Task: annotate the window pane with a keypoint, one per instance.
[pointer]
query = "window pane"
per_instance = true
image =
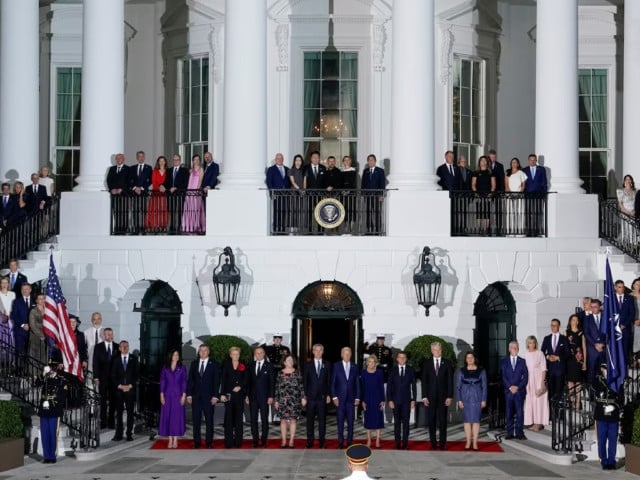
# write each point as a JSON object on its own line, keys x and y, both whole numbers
{"x": 599, "y": 82}
{"x": 195, "y": 72}
{"x": 65, "y": 79}
{"x": 204, "y": 92}
{"x": 63, "y": 162}
{"x": 599, "y": 135}
{"x": 465, "y": 101}
{"x": 475, "y": 132}
{"x": 77, "y": 81}
{"x": 466, "y": 73}
{"x": 599, "y": 164}
{"x": 349, "y": 123}
{"x": 65, "y": 107}
{"x": 64, "y": 131}
{"x": 310, "y": 147}
{"x": 330, "y": 65}
{"x": 584, "y": 135}
{"x": 330, "y": 97}
{"x": 456, "y": 128}
{"x": 456, "y": 101}
{"x": 584, "y": 82}
{"x": 349, "y": 94}
{"x": 205, "y": 126}
{"x": 195, "y": 128}
{"x": 205, "y": 72}
{"x": 465, "y": 131}
{"x": 312, "y": 65}
{"x": 331, "y": 127}
{"x": 584, "y": 108}
{"x": 312, "y": 123}
{"x": 475, "y": 103}
{"x": 195, "y": 100}
{"x": 456, "y": 74}
{"x": 599, "y": 109}
{"x": 76, "y": 163}
{"x": 349, "y": 65}
{"x": 584, "y": 168}
{"x": 76, "y": 134}
{"x": 312, "y": 94}
{"x": 476, "y": 75}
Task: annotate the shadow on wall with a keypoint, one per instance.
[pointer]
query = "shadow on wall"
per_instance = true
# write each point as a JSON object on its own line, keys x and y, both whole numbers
{"x": 406, "y": 280}
{"x": 450, "y": 280}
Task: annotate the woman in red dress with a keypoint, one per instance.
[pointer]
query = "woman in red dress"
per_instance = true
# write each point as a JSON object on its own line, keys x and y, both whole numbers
{"x": 157, "y": 213}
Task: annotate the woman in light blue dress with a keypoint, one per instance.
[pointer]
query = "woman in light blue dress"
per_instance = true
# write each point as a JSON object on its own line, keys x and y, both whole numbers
{"x": 471, "y": 382}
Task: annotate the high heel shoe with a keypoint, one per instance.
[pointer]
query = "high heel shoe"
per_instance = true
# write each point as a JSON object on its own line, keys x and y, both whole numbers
{"x": 284, "y": 445}
{"x": 467, "y": 447}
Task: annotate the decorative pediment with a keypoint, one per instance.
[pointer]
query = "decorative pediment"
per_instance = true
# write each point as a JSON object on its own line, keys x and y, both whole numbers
{"x": 179, "y": 13}
{"x": 491, "y": 18}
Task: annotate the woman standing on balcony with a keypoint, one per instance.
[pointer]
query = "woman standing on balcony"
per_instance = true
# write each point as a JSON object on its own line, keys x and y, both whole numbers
{"x": 47, "y": 181}
{"x": 173, "y": 394}
{"x": 514, "y": 182}
{"x": 298, "y": 179}
{"x": 483, "y": 183}
{"x": 157, "y": 215}
{"x": 18, "y": 192}
{"x": 193, "y": 220}
{"x": 626, "y": 204}
{"x": 6, "y": 325}
{"x": 536, "y": 403}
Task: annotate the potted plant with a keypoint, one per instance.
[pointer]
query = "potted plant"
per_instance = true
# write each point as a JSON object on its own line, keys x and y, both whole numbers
{"x": 11, "y": 435}
{"x": 631, "y": 438}
{"x": 419, "y": 349}
{"x": 219, "y": 346}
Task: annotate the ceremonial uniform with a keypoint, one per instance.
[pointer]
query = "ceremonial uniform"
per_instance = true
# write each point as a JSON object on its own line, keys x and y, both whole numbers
{"x": 607, "y": 416}
{"x": 276, "y": 354}
{"x": 383, "y": 354}
{"x": 52, "y": 400}
{"x": 358, "y": 458}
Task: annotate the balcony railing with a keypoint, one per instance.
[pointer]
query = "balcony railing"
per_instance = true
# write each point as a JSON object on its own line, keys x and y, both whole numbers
{"x": 619, "y": 229}
{"x": 322, "y": 212}
{"x": 499, "y": 214}
{"x": 180, "y": 213}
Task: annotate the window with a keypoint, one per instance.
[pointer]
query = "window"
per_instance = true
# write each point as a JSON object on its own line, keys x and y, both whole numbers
{"x": 592, "y": 130}
{"x": 193, "y": 110}
{"x": 468, "y": 109}
{"x": 331, "y": 104}
{"x": 67, "y": 134}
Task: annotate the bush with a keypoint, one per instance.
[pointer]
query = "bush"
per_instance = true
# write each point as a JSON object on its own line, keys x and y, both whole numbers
{"x": 220, "y": 345}
{"x": 635, "y": 431}
{"x": 419, "y": 349}
{"x": 11, "y": 425}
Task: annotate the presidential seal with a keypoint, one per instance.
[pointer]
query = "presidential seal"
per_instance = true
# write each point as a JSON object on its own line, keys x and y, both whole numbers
{"x": 329, "y": 213}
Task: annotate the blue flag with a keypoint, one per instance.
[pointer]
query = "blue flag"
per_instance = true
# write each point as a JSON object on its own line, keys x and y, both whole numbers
{"x": 610, "y": 327}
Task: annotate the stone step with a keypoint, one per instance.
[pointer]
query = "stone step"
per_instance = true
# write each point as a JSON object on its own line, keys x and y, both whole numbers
{"x": 533, "y": 447}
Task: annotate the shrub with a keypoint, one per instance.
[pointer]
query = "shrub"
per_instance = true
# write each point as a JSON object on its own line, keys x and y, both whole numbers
{"x": 220, "y": 345}
{"x": 419, "y": 349}
{"x": 11, "y": 425}
{"x": 635, "y": 431}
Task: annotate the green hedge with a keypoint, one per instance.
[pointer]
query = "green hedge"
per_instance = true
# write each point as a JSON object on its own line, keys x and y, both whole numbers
{"x": 419, "y": 349}
{"x": 220, "y": 345}
{"x": 11, "y": 425}
{"x": 635, "y": 431}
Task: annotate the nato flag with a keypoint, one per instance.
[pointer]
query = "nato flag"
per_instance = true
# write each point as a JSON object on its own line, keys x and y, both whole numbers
{"x": 610, "y": 327}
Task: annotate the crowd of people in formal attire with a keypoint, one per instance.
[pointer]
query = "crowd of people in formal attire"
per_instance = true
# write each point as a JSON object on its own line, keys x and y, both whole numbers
{"x": 19, "y": 202}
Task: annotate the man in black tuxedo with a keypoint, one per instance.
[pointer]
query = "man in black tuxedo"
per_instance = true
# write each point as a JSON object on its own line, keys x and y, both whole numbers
{"x": 260, "y": 395}
{"x": 124, "y": 375}
{"x": 448, "y": 173}
{"x": 373, "y": 178}
{"x": 345, "y": 393}
{"x": 316, "y": 380}
{"x": 627, "y": 314}
{"x": 9, "y": 208}
{"x": 315, "y": 180}
{"x": 22, "y": 306}
{"x": 175, "y": 185}
{"x": 16, "y": 279}
{"x": 203, "y": 387}
{"x": 464, "y": 201}
{"x": 118, "y": 186}
{"x": 437, "y": 393}
{"x": 555, "y": 347}
{"x": 401, "y": 397}
{"x": 35, "y": 195}
{"x": 103, "y": 354}
{"x": 498, "y": 172}
{"x": 139, "y": 183}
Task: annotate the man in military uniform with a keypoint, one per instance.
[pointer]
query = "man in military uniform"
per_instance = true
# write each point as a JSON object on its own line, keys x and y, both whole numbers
{"x": 607, "y": 416}
{"x": 383, "y": 354}
{"x": 358, "y": 461}
{"x": 53, "y": 390}
{"x": 276, "y": 352}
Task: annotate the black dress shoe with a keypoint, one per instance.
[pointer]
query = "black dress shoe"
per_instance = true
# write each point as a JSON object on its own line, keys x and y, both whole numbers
{"x": 443, "y": 446}
{"x": 263, "y": 442}
{"x": 340, "y": 446}
{"x": 398, "y": 446}
{"x": 509, "y": 437}
{"x": 309, "y": 445}
{"x": 283, "y": 446}
{"x": 117, "y": 438}
{"x": 255, "y": 444}
{"x": 434, "y": 446}
{"x": 405, "y": 446}
{"x": 521, "y": 437}
{"x": 196, "y": 445}
{"x": 129, "y": 438}
{"x": 322, "y": 445}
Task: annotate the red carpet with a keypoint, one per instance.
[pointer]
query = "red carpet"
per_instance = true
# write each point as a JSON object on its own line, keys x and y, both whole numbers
{"x": 274, "y": 443}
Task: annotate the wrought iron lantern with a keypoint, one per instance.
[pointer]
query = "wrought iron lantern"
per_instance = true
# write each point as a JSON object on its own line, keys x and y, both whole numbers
{"x": 226, "y": 280}
{"x": 427, "y": 280}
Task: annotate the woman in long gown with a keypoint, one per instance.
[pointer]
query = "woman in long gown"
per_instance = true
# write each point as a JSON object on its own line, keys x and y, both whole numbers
{"x": 373, "y": 398}
{"x": 483, "y": 183}
{"x": 193, "y": 219}
{"x": 233, "y": 388}
{"x": 37, "y": 338}
{"x": 536, "y": 403}
{"x": 289, "y": 399}
{"x": 6, "y": 324}
{"x": 576, "y": 363}
{"x": 515, "y": 183}
{"x": 626, "y": 203}
{"x": 173, "y": 394}
{"x": 298, "y": 179}
{"x": 157, "y": 214}
{"x": 471, "y": 383}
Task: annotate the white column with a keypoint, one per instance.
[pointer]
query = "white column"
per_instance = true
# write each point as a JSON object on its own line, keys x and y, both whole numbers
{"x": 245, "y": 104}
{"x": 102, "y": 129}
{"x": 412, "y": 96}
{"x": 19, "y": 95}
{"x": 557, "y": 93}
{"x": 630, "y": 118}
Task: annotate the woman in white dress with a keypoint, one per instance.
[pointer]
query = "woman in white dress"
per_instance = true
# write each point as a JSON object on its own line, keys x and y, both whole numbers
{"x": 46, "y": 180}
{"x": 6, "y": 325}
{"x": 514, "y": 182}
{"x": 626, "y": 204}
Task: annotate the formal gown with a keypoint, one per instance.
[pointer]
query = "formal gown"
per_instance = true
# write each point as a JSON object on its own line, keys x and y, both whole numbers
{"x": 373, "y": 394}
{"x": 6, "y": 325}
{"x": 193, "y": 219}
{"x": 627, "y": 199}
{"x": 575, "y": 362}
{"x": 289, "y": 393}
{"x": 536, "y": 408}
{"x": 472, "y": 391}
{"x": 483, "y": 188}
{"x": 173, "y": 383}
{"x": 515, "y": 204}
{"x": 157, "y": 217}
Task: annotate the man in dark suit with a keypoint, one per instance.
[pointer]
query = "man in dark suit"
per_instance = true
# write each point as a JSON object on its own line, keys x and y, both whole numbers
{"x": 118, "y": 186}
{"x": 497, "y": 169}
{"x": 203, "y": 387}
{"x": 139, "y": 183}
{"x": 465, "y": 174}
{"x": 22, "y": 306}
{"x": 345, "y": 392}
{"x": 315, "y": 173}
{"x": 316, "y": 380}
{"x": 103, "y": 354}
{"x": 211, "y": 172}
{"x": 374, "y": 179}
{"x": 437, "y": 393}
{"x": 401, "y": 396}
{"x": 595, "y": 340}
{"x": 627, "y": 314}
{"x": 514, "y": 380}
{"x": 448, "y": 173}
{"x": 260, "y": 395}
{"x": 332, "y": 178}
{"x": 35, "y": 195}
{"x": 534, "y": 205}
{"x": 555, "y": 347}
{"x": 175, "y": 185}
{"x": 124, "y": 375}
{"x": 9, "y": 208}
{"x": 464, "y": 201}
{"x": 16, "y": 279}
{"x": 278, "y": 179}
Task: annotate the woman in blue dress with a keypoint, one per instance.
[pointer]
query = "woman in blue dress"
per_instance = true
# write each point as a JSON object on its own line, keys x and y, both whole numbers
{"x": 471, "y": 382}
{"x": 373, "y": 398}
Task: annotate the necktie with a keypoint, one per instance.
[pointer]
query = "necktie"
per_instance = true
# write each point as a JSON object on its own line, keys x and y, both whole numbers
{"x": 437, "y": 365}
{"x": 4, "y": 201}
{"x": 201, "y": 368}
{"x": 346, "y": 370}
{"x": 318, "y": 368}
{"x": 139, "y": 170}
{"x": 555, "y": 342}
{"x": 371, "y": 172}
{"x": 315, "y": 170}
{"x": 281, "y": 168}
{"x": 451, "y": 170}
{"x": 124, "y": 363}
{"x": 402, "y": 371}
{"x": 13, "y": 280}
{"x": 109, "y": 350}
{"x": 533, "y": 173}
{"x": 118, "y": 169}
{"x": 620, "y": 300}
{"x": 513, "y": 362}
{"x": 597, "y": 318}
{"x": 95, "y": 341}
{"x": 258, "y": 366}
{"x": 26, "y": 300}
{"x": 463, "y": 172}
{"x": 175, "y": 172}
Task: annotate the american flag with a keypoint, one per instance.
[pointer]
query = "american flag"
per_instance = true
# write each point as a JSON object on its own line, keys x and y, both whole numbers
{"x": 56, "y": 324}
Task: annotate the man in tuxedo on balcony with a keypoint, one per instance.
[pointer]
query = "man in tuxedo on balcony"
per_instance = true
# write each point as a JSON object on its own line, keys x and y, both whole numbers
{"x": 118, "y": 186}
{"x": 124, "y": 375}
{"x": 345, "y": 393}
{"x": 534, "y": 207}
{"x": 211, "y": 172}
{"x": 514, "y": 380}
{"x": 437, "y": 394}
{"x": 175, "y": 185}
{"x": 448, "y": 173}
{"x": 139, "y": 183}
{"x": 555, "y": 348}
{"x": 315, "y": 179}
{"x": 35, "y": 195}
{"x": 278, "y": 179}
{"x": 627, "y": 314}
{"x": 260, "y": 395}
{"x": 497, "y": 169}
{"x": 373, "y": 179}
{"x": 9, "y": 208}
{"x": 203, "y": 393}
{"x": 401, "y": 396}
{"x": 103, "y": 354}
{"x": 316, "y": 380}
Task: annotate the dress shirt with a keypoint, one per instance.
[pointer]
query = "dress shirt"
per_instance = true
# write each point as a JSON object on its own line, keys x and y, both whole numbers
{"x": 451, "y": 169}
{"x": 347, "y": 367}
{"x": 318, "y": 366}
{"x": 554, "y": 341}
{"x": 202, "y": 367}
{"x": 402, "y": 370}
{"x": 533, "y": 172}
{"x": 258, "y": 366}
{"x": 139, "y": 169}
{"x": 514, "y": 360}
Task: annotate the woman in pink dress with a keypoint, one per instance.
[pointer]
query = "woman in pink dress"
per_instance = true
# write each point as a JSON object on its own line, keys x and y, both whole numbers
{"x": 193, "y": 220}
{"x": 157, "y": 215}
{"x": 536, "y": 403}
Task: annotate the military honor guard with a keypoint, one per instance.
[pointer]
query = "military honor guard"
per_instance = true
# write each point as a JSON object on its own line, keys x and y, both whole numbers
{"x": 358, "y": 462}
{"x": 276, "y": 352}
{"x": 53, "y": 390}
{"x": 607, "y": 416}
{"x": 383, "y": 354}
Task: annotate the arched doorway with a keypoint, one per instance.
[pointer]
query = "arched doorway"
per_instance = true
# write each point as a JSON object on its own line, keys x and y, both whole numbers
{"x": 330, "y": 313}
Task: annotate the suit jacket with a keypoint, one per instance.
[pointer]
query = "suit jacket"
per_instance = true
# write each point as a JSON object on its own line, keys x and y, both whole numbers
{"x": 20, "y": 316}
{"x": 122, "y": 376}
{"x": 275, "y": 181}
{"x": 261, "y": 384}
{"x": 518, "y": 376}
{"x": 592, "y": 332}
{"x": 345, "y": 390}
{"x": 317, "y": 387}
{"x": 537, "y": 184}
{"x": 332, "y": 178}
{"x": 401, "y": 390}
{"x": 315, "y": 182}
{"x": 21, "y": 279}
{"x": 181, "y": 181}
{"x": 437, "y": 387}
{"x": 143, "y": 180}
{"x": 373, "y": 181}
{"x": 627, "y": 312}
{"x": 637, "y": 205}
{"x": 10, "y": 213}
{"x": 562, "y": 350}
{"x": 118, "y": 180}
{"x": 465, "y": 181}
{"x": 102, "y": 361}
{"x": 498, "y": 171}
{"x": 207, "y": 386}
{"x": 210, "y": 177}
{"x": 234, "y": 378}
{"x": 34, "y": 198}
